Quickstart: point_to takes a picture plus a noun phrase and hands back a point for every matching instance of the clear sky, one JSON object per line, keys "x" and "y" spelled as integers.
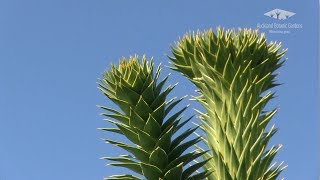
{"x": 53, "y": 51}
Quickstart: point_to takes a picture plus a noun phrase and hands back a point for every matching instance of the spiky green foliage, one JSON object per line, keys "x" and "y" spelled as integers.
{"x": 143, "y": 120}
{"x": 234, "y": 72}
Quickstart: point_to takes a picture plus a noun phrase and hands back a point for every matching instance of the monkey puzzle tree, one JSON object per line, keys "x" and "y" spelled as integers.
{"x": 143, "y": 120}
{"x": 234, "y": 72}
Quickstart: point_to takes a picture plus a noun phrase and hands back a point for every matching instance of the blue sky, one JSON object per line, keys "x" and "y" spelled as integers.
{"x": 53, "y": 51}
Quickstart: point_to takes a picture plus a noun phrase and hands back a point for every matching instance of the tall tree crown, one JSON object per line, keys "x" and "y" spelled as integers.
{"x": 234, "y": 72}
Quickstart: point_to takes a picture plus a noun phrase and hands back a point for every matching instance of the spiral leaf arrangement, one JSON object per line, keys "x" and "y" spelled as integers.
{"x": 143, "y": 120}
{"x": 234, "y": 72}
